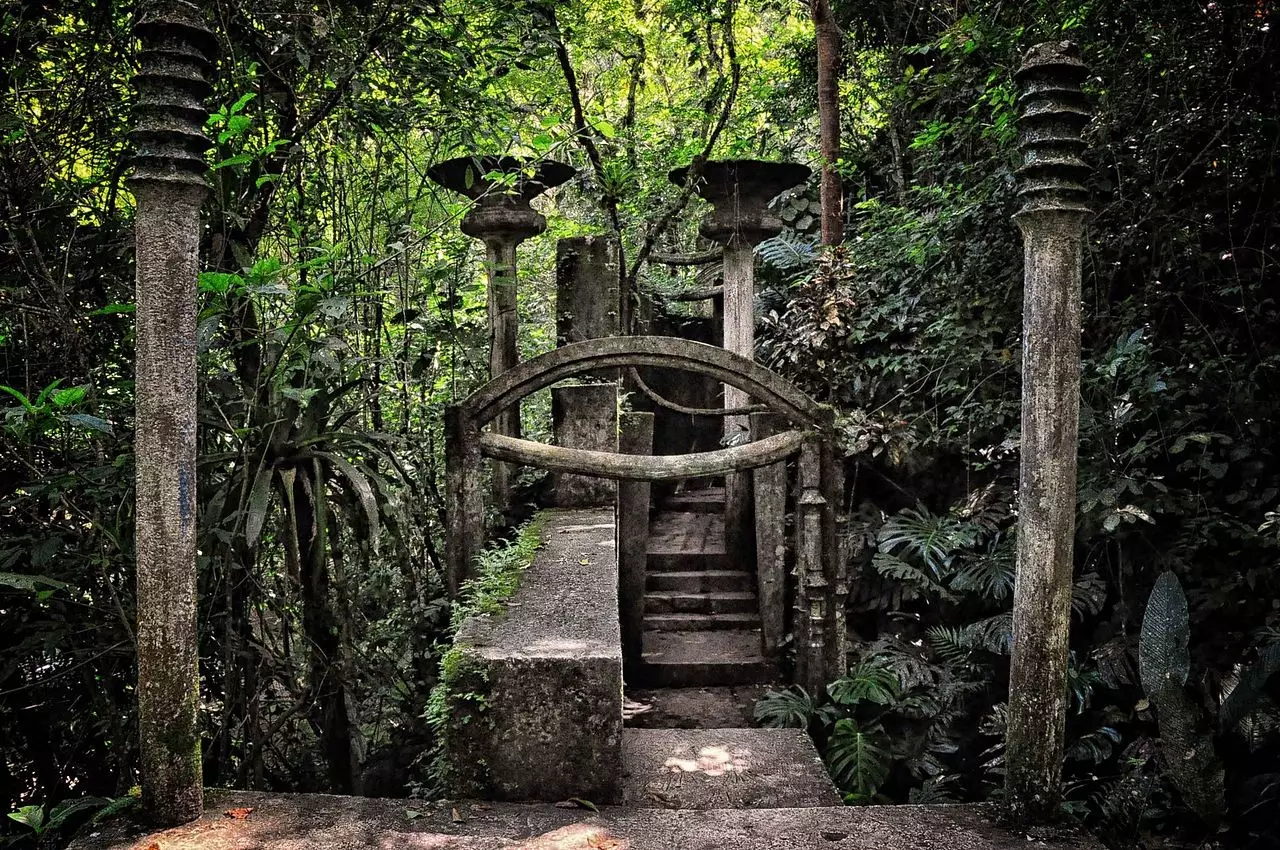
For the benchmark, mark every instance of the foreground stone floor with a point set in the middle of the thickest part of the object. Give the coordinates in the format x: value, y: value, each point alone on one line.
x: 723, y: 769
x: 253, y: 821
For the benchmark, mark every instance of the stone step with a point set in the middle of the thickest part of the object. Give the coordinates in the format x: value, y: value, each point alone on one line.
x: 723, y: 769
x: 720, y: 602
x: 683, y: 562
x: 707, y: 501
x: 690, y: 659
x: 701, y: 581
x: 700, y: 622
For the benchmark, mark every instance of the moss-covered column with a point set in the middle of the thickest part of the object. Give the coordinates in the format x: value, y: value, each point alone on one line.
x: 1053, y: 114
x: 168, y: 186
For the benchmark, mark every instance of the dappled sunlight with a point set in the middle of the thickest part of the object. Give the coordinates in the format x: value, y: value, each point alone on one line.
x: 710, y: 761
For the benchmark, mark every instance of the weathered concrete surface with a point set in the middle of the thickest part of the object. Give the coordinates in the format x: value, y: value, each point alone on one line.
x: 550, y: 671
x: 723, y: 769
x: 587, y: 275
x: 696, y: 708
x: 635, y: 436
x: 708, y: 651
x: 769, y: 491
x: 1052, y: 114
x: 320, y: 822
x: 585, y: 416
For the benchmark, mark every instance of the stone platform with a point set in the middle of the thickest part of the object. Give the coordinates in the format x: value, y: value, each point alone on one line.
x: 535, y: 705
x: 723, y: 769
x: 251, y: 821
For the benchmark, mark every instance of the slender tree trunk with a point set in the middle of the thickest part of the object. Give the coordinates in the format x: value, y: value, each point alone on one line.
x: 168, y: 185
x: 827, y: 34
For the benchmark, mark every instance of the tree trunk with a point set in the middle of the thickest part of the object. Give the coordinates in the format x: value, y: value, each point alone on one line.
x: 827, y: 34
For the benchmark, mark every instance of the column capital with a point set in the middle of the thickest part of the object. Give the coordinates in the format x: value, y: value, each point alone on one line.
x: 1052, y: 114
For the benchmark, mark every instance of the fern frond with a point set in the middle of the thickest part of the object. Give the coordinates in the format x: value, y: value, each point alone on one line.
x: 787, y: 252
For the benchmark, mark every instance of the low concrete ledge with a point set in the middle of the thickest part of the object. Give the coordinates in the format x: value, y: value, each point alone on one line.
x: 536, y: 692
x: 320, y: 822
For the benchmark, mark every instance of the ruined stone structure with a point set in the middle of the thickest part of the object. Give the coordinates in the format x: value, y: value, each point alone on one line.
x: 739, y: 192
x: 646, y: 592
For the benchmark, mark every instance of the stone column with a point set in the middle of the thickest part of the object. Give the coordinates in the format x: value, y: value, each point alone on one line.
x: 587, y: 300
x: 740, y: 191
x: 1053, y: 114
x: 168, y: 186
x: 502, y: 218
x: 812, y: 587
x: 770, y: 486
x: 635, y: 436
x: 584, y: 416
x: 463, y: 496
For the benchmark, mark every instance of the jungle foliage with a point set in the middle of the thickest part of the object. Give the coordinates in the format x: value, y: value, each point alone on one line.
x: 341, y: 309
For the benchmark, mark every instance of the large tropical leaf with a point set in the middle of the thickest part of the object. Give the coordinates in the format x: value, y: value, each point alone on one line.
x: 857, y: 758
x: 1163, y: 653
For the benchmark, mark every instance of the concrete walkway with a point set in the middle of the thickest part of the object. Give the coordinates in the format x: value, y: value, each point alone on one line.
x: 251, y: 821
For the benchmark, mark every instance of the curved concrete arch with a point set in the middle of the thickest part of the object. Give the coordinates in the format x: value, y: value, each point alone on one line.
x: 577, y: 358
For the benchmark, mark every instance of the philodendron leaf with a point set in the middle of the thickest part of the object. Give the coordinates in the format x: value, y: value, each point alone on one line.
x: 1163, y: 654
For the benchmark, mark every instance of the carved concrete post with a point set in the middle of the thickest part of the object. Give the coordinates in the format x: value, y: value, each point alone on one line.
x: 770, y: 485
x: 1053, y: 114
x: 740, y: 191
x: 635, y: 436
x: 812, y: 587
x: 463, y: 496
x: 168, y: 185
x: 502, y: 218
x: 587, y: 300
x: 584, y: 416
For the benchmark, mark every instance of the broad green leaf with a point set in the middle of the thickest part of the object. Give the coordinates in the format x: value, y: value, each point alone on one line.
x: 94, y: 423
x: 22, y: 399
x: 23, y: 581
x: 32, y: 816
x: 68, y: 397
x: 363, y: 490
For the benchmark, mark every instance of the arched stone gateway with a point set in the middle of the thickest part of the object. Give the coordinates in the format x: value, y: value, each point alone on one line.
x: 821, y: 586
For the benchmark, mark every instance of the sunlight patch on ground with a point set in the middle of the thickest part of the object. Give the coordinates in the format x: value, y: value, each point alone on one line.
x: 712, y: 761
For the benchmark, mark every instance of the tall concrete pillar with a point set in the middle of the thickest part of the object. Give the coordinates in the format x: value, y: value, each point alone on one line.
x: 501, y: 218
x: 168, y: 185
x: 1053, y: 114
x: 740, y: 191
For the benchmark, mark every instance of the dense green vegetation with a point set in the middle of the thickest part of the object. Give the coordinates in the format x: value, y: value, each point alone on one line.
x: 341, y: 308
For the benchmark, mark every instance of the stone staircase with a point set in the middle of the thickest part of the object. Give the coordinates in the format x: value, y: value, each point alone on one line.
x: 701, y: 614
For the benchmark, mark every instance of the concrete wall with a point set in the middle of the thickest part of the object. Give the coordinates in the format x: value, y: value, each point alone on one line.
x: 536, y: 706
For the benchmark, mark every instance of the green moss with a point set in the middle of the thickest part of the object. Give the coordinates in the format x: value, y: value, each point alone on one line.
x: 458, y: 702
